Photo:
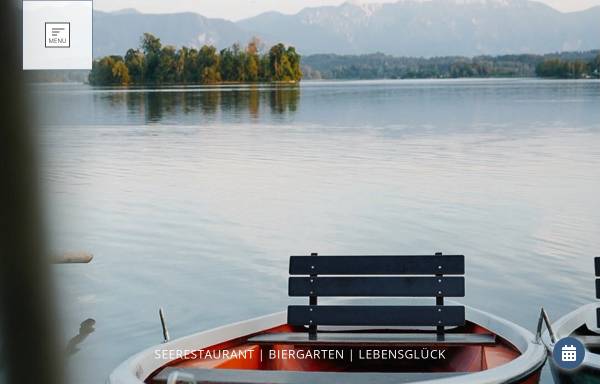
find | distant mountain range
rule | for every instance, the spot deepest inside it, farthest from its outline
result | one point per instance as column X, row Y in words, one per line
column 405, row 28
column 116, row 32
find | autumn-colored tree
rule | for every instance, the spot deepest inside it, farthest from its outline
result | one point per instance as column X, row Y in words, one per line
column 110, row 70
column 120, row 73
column 134, row 59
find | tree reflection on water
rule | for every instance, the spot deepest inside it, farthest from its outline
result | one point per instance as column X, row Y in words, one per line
column 237, row 103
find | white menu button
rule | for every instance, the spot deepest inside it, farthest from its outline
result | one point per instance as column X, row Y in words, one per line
column 57, row 34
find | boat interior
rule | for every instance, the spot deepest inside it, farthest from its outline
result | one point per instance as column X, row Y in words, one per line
column 479, row 351
column 589, row 338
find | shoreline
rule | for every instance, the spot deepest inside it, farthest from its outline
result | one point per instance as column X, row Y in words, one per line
column 298, row 83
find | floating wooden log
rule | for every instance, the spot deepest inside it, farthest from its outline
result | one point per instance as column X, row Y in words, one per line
column 79, row 257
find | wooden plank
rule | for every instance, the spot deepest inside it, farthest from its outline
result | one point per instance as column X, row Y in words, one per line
column 245, row 376
column 80, row 257
column 376, row 315
column 384, row 339
column 590, row 341
column 377, row 286
column 377, row 265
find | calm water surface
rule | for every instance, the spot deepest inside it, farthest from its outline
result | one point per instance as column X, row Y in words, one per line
column 193, row 198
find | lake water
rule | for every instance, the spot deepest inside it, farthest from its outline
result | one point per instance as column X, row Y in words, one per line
column 193, row 198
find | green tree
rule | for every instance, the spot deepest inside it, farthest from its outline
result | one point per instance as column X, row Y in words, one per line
column 208, row 65
column 180, row 63
column 294, row 60
column 239, row 63
column 595, row 66
column 191, row 73
column 461, row 69
column 564, row 69
column 167, row 71
column 227, row 64
column 151, row 47
column 276, row 54
column 101, row 73
column 264, row 68
column 134, row 59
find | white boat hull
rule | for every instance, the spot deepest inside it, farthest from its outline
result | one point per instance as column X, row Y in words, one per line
column 533, row 355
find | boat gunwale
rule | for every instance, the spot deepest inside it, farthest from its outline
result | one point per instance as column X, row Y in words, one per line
column 142, row 365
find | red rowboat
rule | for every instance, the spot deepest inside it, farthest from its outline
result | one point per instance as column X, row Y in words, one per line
column 445, row 342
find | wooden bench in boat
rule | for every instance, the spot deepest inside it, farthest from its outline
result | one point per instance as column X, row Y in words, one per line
column 435, row 276
column 245, row 376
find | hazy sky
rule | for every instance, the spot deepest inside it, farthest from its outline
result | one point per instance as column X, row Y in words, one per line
column 239, row 9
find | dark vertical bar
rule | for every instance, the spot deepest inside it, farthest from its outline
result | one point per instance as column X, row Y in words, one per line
column 27, row 329
column 597, row 270
column 439, row 299
column 312, row 300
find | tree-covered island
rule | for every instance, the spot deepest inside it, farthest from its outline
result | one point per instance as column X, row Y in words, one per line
column 154, row 63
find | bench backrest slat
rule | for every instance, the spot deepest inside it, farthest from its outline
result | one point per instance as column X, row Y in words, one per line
column 377, row 315
column 378, row 286
column 377, row 265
